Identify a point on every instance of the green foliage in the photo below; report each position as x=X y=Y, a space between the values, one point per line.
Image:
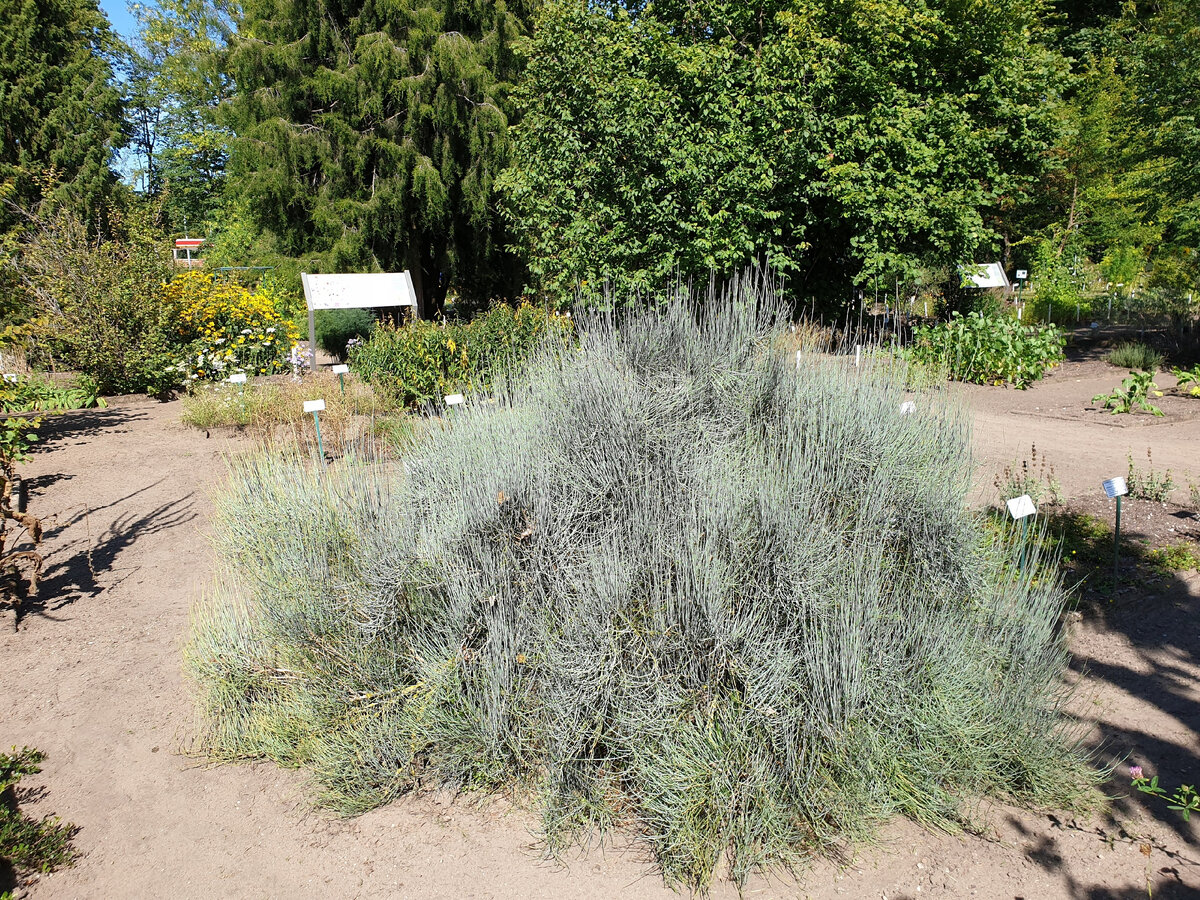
x=37 y=393
x=371 y=135
x=59 y=110
x=100 y=299
x=667 y=579
x=682 y=138
x=1149 y=484
x=335 y=328
x=422 y=361
x=29 y=845
x=1034 y=476
x=1185 y=800
x=988 y=349
x=1188 y=380
x=1132 y=393
x=1135 y=355
x=1176 y=558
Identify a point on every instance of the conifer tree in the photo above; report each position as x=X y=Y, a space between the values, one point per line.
x=60 y=113
x=370 y=132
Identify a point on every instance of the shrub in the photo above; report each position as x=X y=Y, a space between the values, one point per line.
x=1135 y=355
x=225 y=328
x=669 y=578
x=424 y=361
x=988 y=349
x=99 y=299
x=1148 y=484
x=336 y=327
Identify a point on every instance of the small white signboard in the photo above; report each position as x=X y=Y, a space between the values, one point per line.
x=1115 y=487
x=1020 y=507
x=239 y=378
x=1022 y=274
x=358 y=291
x=9 y=376
x=455 y=399
x=354 y=291
x=314 y=406
x=341 y=369
x=908 y=407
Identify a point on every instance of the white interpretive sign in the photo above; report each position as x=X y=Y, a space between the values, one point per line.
x=455 y=399
x=1115 y=487
x=354 y=291
x=1022 y=274
x=312 y=406
x=908 y=407
x=1020 y=507
x=239 y=378
x=342 y=369
x=361 y=291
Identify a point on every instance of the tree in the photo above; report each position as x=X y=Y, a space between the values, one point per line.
x=840 y=141
x=371 y=132
x=60 y=114
x=175 y=83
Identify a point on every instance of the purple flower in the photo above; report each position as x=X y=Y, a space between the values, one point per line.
x=1135 y=772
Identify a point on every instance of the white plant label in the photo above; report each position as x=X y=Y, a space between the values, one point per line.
x=9 y=376
x=455 y=399
x=1115 y=487
x=798 y=352
x=341 y=369
x=857 y=353
x=1020 y=507
x=1022 y=274
x=908 y=407
x=314 y=406
x=239 y=378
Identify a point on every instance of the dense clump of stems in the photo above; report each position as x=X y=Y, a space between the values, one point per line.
x=672 y=578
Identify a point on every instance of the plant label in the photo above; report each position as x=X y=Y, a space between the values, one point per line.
x=342 y=369
x=455 y=400
x=798 y=352
x=314 y=406
x=1022 y=274
x=1020 y=507
x=9 y=376
x=239 y=378
x=908 y=407
x=1115 y=487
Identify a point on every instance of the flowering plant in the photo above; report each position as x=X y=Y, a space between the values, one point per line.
x=1185 y=800
x=227 y=328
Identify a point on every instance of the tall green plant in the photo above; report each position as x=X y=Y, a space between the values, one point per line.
x=988 y=349
x=669 y=579
x=397 y=175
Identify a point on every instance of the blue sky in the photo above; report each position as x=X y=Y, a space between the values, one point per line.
x=119 y=16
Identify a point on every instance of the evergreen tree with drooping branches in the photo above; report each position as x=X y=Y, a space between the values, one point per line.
x=60 y=113
x=370 y=132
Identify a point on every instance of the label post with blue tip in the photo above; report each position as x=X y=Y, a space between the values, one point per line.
x=1116 y=488
x=341 y=371
x=316 y=407
x=1021 y=508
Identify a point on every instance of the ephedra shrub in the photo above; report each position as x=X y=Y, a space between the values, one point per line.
x=664 y=579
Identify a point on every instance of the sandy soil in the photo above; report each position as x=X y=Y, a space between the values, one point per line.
x=93 y=678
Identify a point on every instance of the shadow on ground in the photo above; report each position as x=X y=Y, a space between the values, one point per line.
x=75 y=571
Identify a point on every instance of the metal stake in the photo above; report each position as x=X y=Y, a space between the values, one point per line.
x=1117 y=539
x=320 y=446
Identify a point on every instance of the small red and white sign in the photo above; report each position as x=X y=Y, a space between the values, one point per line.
x=188 y=243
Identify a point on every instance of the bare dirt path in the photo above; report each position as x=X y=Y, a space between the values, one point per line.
x=93 y=678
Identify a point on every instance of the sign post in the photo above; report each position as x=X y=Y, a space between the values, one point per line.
x=362 y=291
x=341 y=371
x=315 y=407
x=1021 y=508
x=1116 y=488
